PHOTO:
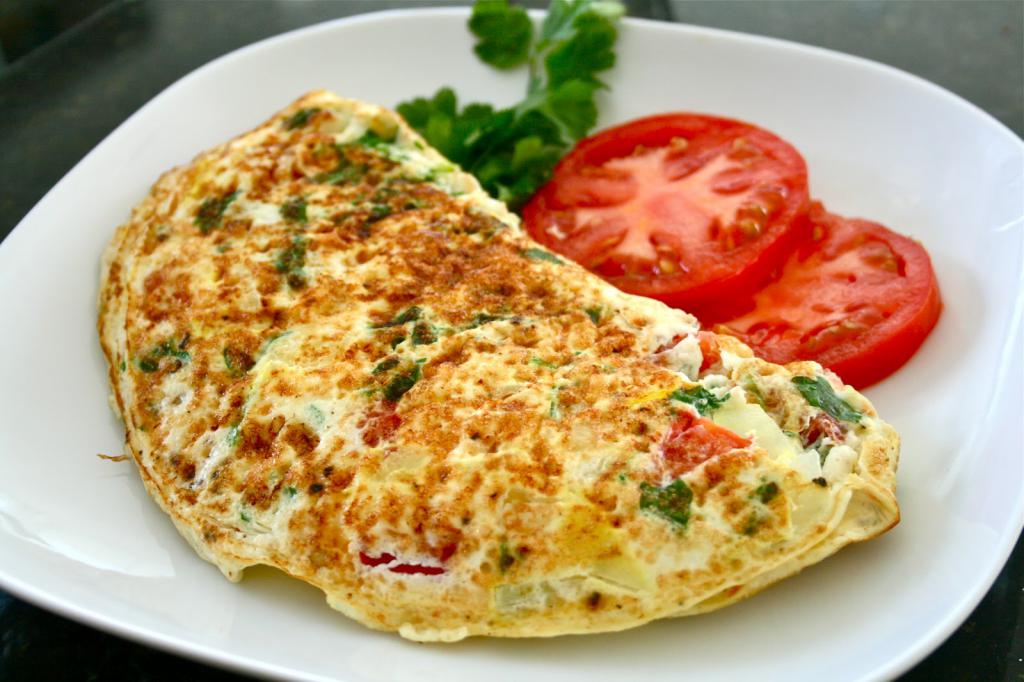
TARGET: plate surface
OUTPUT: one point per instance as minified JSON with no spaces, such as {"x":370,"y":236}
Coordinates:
{"x":79,"y":535}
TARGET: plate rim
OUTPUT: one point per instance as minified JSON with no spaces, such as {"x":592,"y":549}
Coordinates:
{"x":930,"y":639}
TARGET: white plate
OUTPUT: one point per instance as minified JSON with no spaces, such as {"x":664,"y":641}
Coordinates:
{"x":79,"y":536}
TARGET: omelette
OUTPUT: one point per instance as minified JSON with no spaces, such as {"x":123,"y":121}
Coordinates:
{"x":335,"y":355}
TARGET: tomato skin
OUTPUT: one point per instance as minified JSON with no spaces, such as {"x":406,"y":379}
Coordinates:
{"x":710,"y":274}
{"x":371,"y":561}
{"x":709,"y":350}
{"x":863,"y":328}
{"x":386,"y":559}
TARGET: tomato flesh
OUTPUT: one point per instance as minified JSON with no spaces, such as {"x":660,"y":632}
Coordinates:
{"x":691,"y":441}
{"x":684,"y":208}
{"x":857,"y":297}
{"x":380,"y":424}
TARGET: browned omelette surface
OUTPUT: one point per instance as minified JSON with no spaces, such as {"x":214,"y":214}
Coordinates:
{"x":335,"y":355}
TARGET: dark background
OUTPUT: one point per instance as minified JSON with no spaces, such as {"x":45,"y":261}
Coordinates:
{"x":71,"y":71}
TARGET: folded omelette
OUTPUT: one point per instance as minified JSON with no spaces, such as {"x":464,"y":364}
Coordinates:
{"x":336,"y":355}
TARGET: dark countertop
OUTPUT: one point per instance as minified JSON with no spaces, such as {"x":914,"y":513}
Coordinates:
{"x":60,"y":100}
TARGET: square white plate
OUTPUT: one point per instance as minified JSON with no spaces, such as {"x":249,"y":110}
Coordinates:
{"x":78,"y":534}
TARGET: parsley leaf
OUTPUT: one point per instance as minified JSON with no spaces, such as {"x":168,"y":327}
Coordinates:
{"x":766,"y":492}
{"x":445,"y":128}
{"x":540,"y":254}
{"x":408,"y":315}
{"x":385,"y":365}
{"x":505,"y":33}
{"x":212,"y":210}
{"x":294,"y":210}
{"x":401,"y":384}
{"x":512,"y":151}
{"x":588,"y":48}
{"x":291,"y":261}
{"x":374,"y":141}
{"x":344,"y":172}
{"x":483,"y":318}
{"x":299,"y":118}
{"x":818,"y":392}
{"x":671,"y":502}
{"x":506,"y":557}
{"x":701,"y":398}
{"x":237,"y":362}
{"x":423,"y":334}
{"x":150,"y":362}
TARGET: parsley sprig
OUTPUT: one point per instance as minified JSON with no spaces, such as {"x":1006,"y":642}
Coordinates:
{"x":512,"y":151}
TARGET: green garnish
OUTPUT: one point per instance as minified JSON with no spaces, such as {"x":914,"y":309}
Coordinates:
{"x":818,"y":392}
{"x":291,"y":491}
{"x":236,"y":361}
{"x":704,"y":400}
{"x":407,"y":315}
{"x":385,"y":193}
{"x":483,"y":318}
{"x":401,"y":384}
{"x":540,"y":254}
{"x":594,"y":314}
{"x":299,"y":118}
{"x":211,"y":211}
{"x":294,"y":210}
{"x":379,"y":212}
{"x":291,"y":260}
{"x":504,"y":33}
{"x":540,"y":362}
{"x":373,"y":140}
{"x":671,"y":502}
{"x":506,"y":558}
{"x":423,"y":334}
{"x":512,"y":151}
{"x":245,"y":517}
{"x":150,"y":362}
{"x":766,"y":492}
{"x":344,"y":172}
{"x":385,"y":365}
{"x":397,"y":340}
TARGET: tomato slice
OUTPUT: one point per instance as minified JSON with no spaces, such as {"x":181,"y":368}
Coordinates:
{"x":685,"y":208}
{"x":857,"y":297}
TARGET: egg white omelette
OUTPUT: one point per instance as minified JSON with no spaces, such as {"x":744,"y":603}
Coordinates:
{"x":336,"y":355}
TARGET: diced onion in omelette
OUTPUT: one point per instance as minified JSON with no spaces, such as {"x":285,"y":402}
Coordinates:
{"x":335,"y":355}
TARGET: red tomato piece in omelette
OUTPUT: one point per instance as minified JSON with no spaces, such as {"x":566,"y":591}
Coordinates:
{"x":691,"y":441}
